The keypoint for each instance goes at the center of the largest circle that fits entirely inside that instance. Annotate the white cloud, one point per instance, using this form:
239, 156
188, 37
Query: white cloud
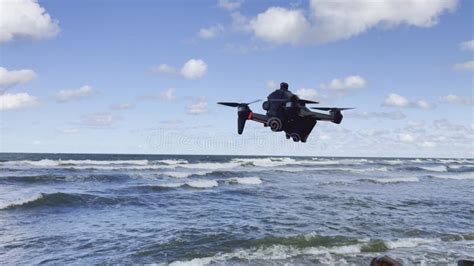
198, 107
10, 78
68, 95
405, 137
162, 69
280, 25
68, 130
329, 20
194, 69
271, 85
427, 144
395, 100
14, 101
168, 95
381, 115
455, 99
468, 65
229, 5
25, 19
211, 32
423, 104
467, 45
99, 120
121, 106
308, 94
348, 83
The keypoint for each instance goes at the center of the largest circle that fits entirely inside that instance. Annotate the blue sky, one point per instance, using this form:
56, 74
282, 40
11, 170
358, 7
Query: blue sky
145, 76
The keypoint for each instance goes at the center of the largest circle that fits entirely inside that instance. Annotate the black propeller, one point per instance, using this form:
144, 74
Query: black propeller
301, 101
234, 104
243, 112
331, 108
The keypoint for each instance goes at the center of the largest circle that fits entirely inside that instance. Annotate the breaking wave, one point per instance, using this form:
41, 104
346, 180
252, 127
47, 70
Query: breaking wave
390, 179
324, 248
455, 176
60, 199
245, 180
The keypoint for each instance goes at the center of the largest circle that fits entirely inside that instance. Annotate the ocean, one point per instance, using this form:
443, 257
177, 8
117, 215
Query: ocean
190, 209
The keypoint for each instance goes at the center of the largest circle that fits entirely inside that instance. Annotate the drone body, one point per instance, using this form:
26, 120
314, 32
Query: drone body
286, 112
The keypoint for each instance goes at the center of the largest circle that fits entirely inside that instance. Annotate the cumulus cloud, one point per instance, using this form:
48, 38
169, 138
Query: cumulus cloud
10, 78
198, 107
280, 25
455, 99
15, 101
380, 115
468, 66
192, 69
308, 94
25, 19
406, 137
121, 106
168, 95
162, 69
210, 32
99, 120
229, 5
349, 83
467, 45
395, 100
329, 20
69, 95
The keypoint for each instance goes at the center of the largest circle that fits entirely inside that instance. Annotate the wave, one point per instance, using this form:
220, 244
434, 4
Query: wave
390, 179
325, 249
185, 174
63, 178
60, 199
245, 180
264, 162
455, 176
48, 162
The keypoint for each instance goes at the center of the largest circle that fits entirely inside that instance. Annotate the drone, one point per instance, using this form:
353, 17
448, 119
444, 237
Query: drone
286, 112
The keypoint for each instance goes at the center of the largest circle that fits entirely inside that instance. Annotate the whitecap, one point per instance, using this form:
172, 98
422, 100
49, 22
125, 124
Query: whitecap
202, 183
410, 242
437, 168
245, 180
456, 176
393, 179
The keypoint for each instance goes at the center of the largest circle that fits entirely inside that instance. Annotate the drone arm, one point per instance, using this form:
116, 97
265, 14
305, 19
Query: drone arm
333, 116
257, 117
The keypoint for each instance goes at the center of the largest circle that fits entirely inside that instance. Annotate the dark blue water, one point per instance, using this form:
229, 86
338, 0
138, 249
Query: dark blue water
84, 209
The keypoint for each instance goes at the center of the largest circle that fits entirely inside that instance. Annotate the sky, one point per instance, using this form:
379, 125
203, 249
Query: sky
143, 77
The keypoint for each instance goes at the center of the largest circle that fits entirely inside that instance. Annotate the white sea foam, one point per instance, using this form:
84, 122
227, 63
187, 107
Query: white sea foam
173, 162
437, 168
265, 162
394, 179
326, 255
410, 242
211, 166
460, 176
171, 185
202, 183
246, 180
184, 174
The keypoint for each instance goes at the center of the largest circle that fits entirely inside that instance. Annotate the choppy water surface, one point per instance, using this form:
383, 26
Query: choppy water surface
58, 208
